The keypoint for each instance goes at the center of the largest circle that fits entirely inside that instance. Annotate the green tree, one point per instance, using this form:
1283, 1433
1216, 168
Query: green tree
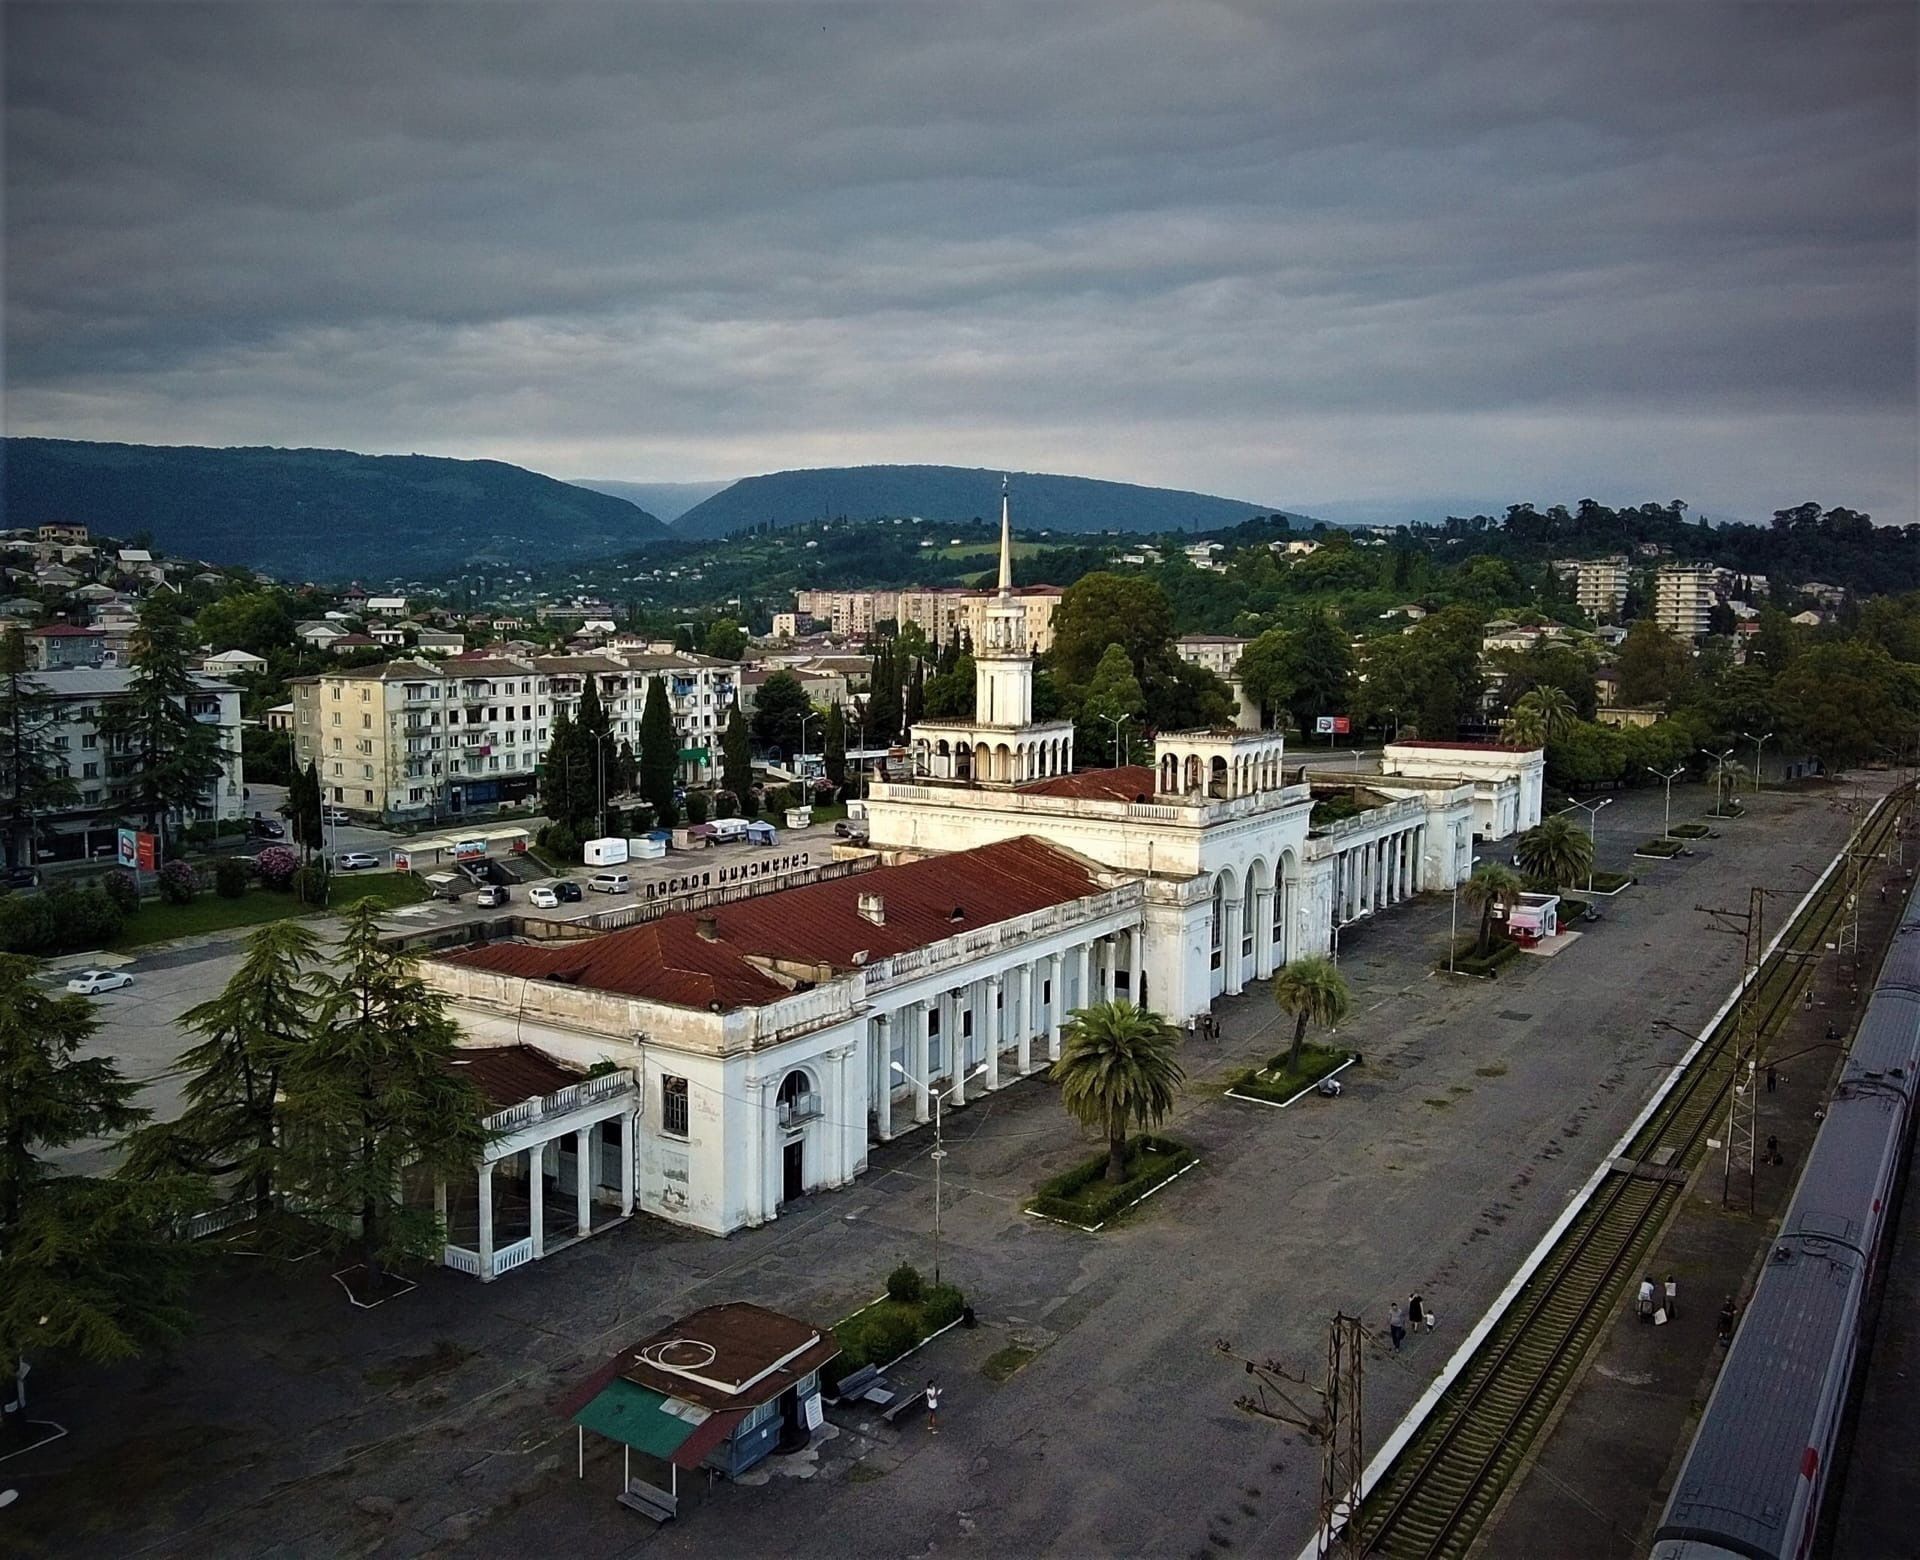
1844, 700
1655, 668
916, 696
599, 754
251, 1032
1112, 694
85, 1266
1557, 851
726, 640
373, 1095
33, 772
1104, 609
169, 757
1266, 671
1320, 669
834, 746
736, 761
560, 775
1541, 716
659, 755
253, 620
304, 810
1493, 886
950, 694
1313, 991
885, 707
778, 710
1117, 1067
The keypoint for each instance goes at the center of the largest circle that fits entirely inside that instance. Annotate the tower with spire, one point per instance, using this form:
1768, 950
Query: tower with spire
1003, 744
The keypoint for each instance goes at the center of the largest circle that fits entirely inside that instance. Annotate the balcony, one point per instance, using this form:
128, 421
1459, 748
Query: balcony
802, 1107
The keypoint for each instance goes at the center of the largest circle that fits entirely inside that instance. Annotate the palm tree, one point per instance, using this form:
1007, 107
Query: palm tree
1493, 885
1116, 1068
1314, 992
1556, 850
1727, 771
1541, 715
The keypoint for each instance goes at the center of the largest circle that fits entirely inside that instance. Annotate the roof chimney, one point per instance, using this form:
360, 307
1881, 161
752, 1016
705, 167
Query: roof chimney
873, 907
708, 926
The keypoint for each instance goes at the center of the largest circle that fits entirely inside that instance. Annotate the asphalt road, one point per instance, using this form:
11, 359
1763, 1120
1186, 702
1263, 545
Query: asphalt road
289, 1421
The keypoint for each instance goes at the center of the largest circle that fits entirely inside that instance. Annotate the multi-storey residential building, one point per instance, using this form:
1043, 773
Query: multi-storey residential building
103, 774
1218, 653
1039, 600
426, 735
1683, 595
1599, 584
941, 612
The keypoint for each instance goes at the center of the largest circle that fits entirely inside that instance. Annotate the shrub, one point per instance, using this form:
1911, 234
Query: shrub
230, 877
177, 883
27, 923
277, 865
905, 1284
696, 807
1082, 1195
725, 804
88, 919
59, 921
943, 1304
309, 884
119, 886
563, 842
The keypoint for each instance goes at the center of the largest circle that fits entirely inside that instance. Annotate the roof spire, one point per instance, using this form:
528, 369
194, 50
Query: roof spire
1006, 544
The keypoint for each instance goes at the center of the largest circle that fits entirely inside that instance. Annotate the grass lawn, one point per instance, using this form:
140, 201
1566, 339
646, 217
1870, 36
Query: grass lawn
1690, 831
158, 921
1084, 1196
880, 1333
1279, 1083
1610, 882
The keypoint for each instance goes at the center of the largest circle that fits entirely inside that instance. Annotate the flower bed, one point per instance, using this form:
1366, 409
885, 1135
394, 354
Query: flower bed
1610, 882
1690, 831
1279, 1083
1726, 810
1468, 961
895, 1324
1665, 850
1084, 1197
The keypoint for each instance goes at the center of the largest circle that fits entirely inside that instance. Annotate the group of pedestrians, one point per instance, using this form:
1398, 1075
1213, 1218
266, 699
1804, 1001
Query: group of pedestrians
1659, 1302
1417, 1317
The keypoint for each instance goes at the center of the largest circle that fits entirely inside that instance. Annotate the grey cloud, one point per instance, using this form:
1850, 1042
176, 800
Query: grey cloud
1364, 252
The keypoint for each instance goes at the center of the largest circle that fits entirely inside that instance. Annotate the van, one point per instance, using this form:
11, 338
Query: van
610, 883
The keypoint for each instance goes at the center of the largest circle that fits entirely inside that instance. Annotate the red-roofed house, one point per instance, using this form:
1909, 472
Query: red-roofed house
777, 1035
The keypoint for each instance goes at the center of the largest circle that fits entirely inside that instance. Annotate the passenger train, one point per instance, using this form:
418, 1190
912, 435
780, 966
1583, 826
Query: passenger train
1761, 1459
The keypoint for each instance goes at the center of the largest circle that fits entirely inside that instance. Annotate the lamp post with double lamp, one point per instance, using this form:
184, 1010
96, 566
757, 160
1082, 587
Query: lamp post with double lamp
1592, 810
1453, 937
939, 1143
1719, 776
800, 755
1758, 743
1666, 823
1117, 721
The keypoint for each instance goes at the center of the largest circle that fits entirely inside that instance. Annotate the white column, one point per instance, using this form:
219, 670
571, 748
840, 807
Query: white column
992, 991
837, 1127
1028, 989
440, 1204
626, 1163
1056, 1004
1135, 958
1263, 933
953, 1023
917, 1059
756, 1200
536, 1203
883, 1107
486, 1221
1083, 974
583, 1182
1231, 946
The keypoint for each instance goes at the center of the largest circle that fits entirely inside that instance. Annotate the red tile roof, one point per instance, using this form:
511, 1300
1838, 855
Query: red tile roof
507, 1074
64, 631
925, 901
1128, 783
1471, 747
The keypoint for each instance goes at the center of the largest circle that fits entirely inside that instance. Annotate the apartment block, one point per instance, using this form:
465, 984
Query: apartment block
1683, 595
468, 734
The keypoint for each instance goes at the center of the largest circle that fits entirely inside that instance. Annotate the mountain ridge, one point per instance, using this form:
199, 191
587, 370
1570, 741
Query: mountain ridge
1042, 501
262, 506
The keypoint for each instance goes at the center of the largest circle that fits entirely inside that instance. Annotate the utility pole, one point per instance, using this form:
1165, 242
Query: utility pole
1333, 1421
1742, 1093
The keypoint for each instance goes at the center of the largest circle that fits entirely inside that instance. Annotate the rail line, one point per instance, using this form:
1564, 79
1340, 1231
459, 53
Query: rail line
1432, 1501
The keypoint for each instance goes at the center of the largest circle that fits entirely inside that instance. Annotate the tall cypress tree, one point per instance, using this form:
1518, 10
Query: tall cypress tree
916, 705
736, 751
834, 747
557, 772
596, 754
33, 773
168, 756
659, 755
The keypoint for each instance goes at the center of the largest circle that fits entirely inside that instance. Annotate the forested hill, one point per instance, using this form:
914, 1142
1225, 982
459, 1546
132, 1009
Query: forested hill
945, 493
322, 515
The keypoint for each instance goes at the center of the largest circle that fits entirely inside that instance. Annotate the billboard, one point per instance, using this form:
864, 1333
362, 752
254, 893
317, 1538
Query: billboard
136, 851
1331, 725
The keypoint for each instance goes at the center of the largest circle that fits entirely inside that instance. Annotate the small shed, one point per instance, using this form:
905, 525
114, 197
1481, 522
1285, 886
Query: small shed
1534, 919
719, 1389
760, 832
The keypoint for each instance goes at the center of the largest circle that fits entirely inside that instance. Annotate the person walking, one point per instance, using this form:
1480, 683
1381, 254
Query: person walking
1773, 1150
1645, 1304
1416, 1313
1773, 1077
1729, 1314
1396, 1325
1673, 1297
933, 1407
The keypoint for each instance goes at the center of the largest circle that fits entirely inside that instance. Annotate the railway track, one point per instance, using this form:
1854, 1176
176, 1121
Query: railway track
1437, 1494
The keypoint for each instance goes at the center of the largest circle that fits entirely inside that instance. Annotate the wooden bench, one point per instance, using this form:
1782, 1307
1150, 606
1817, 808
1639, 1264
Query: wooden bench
854, 1384
653, 1503
868, 1388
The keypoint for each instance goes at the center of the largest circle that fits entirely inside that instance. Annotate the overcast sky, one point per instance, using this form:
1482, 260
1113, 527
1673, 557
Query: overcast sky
1356, 259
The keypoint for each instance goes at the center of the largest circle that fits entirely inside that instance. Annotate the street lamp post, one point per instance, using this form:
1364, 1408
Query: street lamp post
1117, 721
1592, 810
1758, 743
1666, 825
600, 764
1719, 775
939, 1146
802, 753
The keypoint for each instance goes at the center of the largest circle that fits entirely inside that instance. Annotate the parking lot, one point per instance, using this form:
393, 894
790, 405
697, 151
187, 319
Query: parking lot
1089, 1412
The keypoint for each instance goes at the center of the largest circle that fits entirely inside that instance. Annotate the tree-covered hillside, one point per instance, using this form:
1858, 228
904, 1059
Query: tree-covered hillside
317, 514
946, 493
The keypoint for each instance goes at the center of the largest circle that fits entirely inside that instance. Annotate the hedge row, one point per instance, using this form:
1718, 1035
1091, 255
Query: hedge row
888, 1328
1082, 1196
1468, 961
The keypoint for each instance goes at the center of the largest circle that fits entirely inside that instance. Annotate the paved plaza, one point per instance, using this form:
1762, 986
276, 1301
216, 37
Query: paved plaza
290, 1424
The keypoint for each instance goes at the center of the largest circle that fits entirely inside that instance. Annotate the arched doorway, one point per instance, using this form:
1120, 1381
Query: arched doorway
795, 1104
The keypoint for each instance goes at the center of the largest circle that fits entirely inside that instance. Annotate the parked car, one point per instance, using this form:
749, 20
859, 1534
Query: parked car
22, 877
542, 896
610, 883
568, 890
335, 815
90, 983
265, 828
355, 860
846, 829
493, 896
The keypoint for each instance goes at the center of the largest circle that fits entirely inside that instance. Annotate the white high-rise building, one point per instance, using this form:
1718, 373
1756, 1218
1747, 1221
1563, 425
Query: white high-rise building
1683, 596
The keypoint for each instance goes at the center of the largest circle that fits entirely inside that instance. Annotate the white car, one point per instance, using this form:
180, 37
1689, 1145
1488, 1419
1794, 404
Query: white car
610, 883
90, 983
543, 896
335, 815
354, 860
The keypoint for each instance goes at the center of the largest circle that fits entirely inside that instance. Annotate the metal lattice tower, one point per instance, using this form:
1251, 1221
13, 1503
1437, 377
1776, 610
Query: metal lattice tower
1744, 1043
